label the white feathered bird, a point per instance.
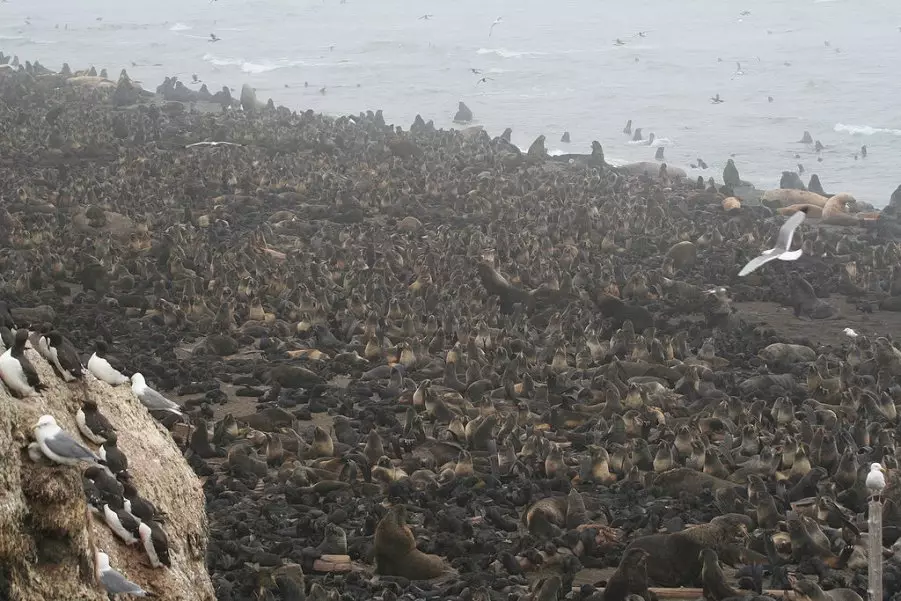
(876, 480)
(783, 244)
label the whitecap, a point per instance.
(180, 27)
(11, 37)
(504, 53)
(865, 130)
(250, 66)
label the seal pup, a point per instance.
(112, 581)
(713, 579)
(631, 577)
(16, 369)
(396, 553)
(100, 367)
(58, 446)
(806, 590)
(92, 424)
(63, 357)
(783, 244)
(805, 302)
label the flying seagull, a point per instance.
(150, 398)
(426, 17)
(485, 80)
(491, 29)
(876, 480)
(214, 38)
(114, 582)
(783, 244)
(58, 446)
(213, 144)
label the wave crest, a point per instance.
(180, 27)
(865, 130)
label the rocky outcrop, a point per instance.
(47, 532)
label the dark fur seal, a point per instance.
(805, 302)
(675, 559)
(464, 115)
(713, 580)
(631, 577)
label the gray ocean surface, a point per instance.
(832, 67)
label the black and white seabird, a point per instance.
(109, 490)
(58, 446)
(63, 357)
(150, 398)
(115, 459)
(101, 368)
(123, 524)
(136, 504)
(16, 370)
(114, 582)
(156, 543)
(92, 424)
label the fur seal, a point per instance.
(464, 115)
(813, 211)
(713, 580)
(631, 577)
(396, 553)
(675, 559)
(651, 169)
(805, 302)
(806, 590)
(565, 138)
(780, 197)
(806, 138)
(791, 181)
(658, 156)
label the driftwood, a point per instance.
(697, 593)
(334, 563)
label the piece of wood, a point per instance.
(874, 553)
(697, 593)
(336, 558)
(331, 566)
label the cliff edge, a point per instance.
(47, 532)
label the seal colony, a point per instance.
(424, 364)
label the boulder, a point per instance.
(47, 532)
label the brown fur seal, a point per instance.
(396, 553)
(786, 198)
(675, 560)
(813, 211)
(835, 212)
(713, 580)
(496, 284)
(807, 590)
(630, 577)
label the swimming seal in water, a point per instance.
(464, 115)
(396, 553)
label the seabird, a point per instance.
(850, 333)
(783, 244)
(58, 446)
(114, 582)
(205, 144)
(109, 491)
(213, 38)
(63, 357)
(150, 398)
(16, 370)
(491, 29)
(717, 100)
(115, 459)
(156, 543)
(123, 524)
(876, 480)
(426, 17)
(136, 504)
(92, 424)
(485, 80)
(100, 366)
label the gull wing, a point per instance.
(791, 255)
(757, 262)
(787, 231)
(65, 446)
(117, 584)
(155, 401)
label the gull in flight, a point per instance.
(426, 17)
(738, 70)
(491, 29)
(205, 144)
(214, 38)
(876, 480)
(485, 80)
(783, 244)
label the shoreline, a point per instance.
(748, 193)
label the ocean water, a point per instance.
(831, 66)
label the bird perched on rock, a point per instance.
(63, 357)
(16, 370)
(92, 424)
(58, 446)
(150, 398)
(114, 582)
(101, 368)
(876, 480)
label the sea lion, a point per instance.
(805, 302)
(658, 156)
(565, 138)
(683, 254)
(813, 211)
(651, 170)
(791, 181)
(675, 559)
(806, 138)
(713, 579)
(835, 211)
(396, 553)
(731, 203)
(730, 174)
(785, 198)
(631, 577)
